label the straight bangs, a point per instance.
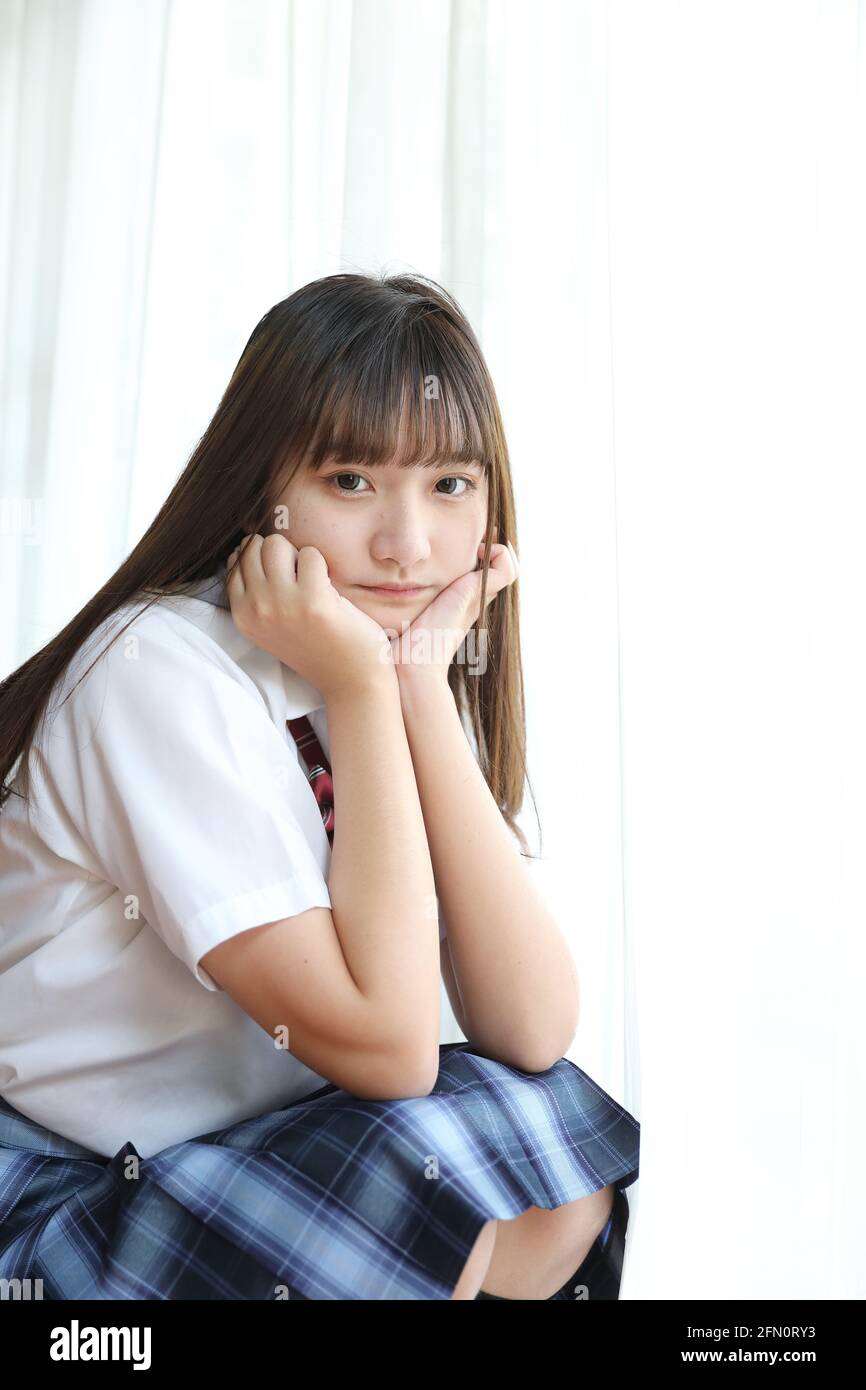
(417, 398)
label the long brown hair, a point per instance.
(341, 368)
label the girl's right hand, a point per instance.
(283, 600)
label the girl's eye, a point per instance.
(336, 477)
(471, 485)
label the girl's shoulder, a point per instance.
(150, 660)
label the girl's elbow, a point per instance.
(543, 1058)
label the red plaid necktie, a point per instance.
(318, 769)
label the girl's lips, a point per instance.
(392, 593)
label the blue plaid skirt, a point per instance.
(331, 1197)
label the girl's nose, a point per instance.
(401, 545)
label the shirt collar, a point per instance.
(301, 696)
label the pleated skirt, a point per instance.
(333, 1197)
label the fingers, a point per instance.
(251, 559)
(235, 585)
(252, 563)
(502, 571)
(503, 563)
(278, 558)
(238, 551)
(312, 567)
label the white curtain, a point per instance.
(654, 215)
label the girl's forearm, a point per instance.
(515, 971)
(381, 881)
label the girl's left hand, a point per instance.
(429, 643)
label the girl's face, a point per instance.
(388, 525)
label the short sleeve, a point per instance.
(170, 771)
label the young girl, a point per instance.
(234, 812)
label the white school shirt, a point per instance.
(172, 810)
